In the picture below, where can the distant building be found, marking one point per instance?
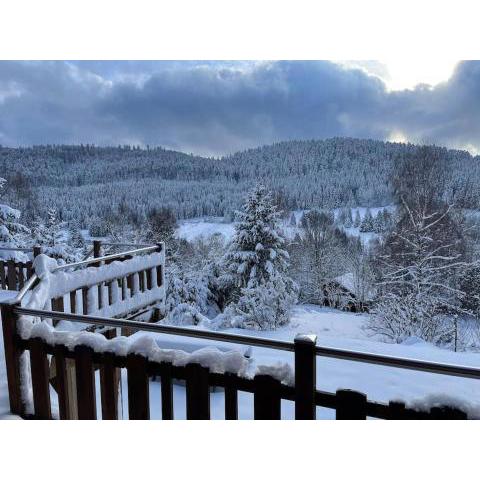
(348, 292)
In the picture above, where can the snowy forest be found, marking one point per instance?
(97, 186)
(299, 237)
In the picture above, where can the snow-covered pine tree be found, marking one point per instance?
(161, 225)
(367, 222)
(79, 246)
(358, 220)
(256, 253)
(378, 223)
(12, 232)
(256, 263)
(76, 239)
(293, 220)
(348, 223)
(50, 235)
(341, 218)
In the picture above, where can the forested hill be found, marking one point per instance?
(85, 182)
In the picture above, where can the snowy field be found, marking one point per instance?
(340, 330)
(204, 227)
(334, 329)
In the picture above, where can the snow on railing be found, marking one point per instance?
(112, 285)
(108, 289)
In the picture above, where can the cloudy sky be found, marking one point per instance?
(213, 108)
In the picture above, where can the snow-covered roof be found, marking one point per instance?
(348, 281)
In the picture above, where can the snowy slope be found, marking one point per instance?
(344, 330)
(191, 229)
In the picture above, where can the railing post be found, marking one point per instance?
(305, 377)
(12, 357)
(85, 381)
(40, 369)
(198, 393)
(97, 247)
(11, 275)
(351, 405)
(267, 399)
(138, 387)
(97, 251)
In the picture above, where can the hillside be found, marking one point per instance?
(85, 182)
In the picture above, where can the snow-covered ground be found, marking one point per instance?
(204, 227)
(334, 329)
(341, 330)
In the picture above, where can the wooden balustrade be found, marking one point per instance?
(268, 392)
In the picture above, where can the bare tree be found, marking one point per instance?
(423, 256)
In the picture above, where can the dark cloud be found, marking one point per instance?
(220, 107)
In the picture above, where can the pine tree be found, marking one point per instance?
(256, 253)
(348, 223)
(378, 223)
(50, 235)
(367, 222)
(358, 220)
(161, 225)
(293, 220)
(12, 233)
(76, 239)
(256, 264)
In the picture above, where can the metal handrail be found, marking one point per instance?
(155, 327)
(15, 249)
(106, 258)
(113, 244)
(355, 356)
(34, 277)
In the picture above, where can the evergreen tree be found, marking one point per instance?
(378, 223)
(161, 226)
(48, 232)
(256, 264)
(293, 220)
(12, 232)
(76, 239)
(50, 235)
(367, 222)
(256, 253)
(348, 223)
(358, 220)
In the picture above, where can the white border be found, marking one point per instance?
(248, 29)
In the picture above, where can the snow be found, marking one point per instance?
(346, 331)
(206, 226)
(195, 228)
(55, 284)
(347, 280)
(333, 328)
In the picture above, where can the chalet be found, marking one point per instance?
(348, 292)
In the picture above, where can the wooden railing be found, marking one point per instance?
(93, 295)
(14, 274)
(268, 392)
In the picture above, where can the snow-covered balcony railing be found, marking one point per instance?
(111, 285)
(14, 272)
(144, 359)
